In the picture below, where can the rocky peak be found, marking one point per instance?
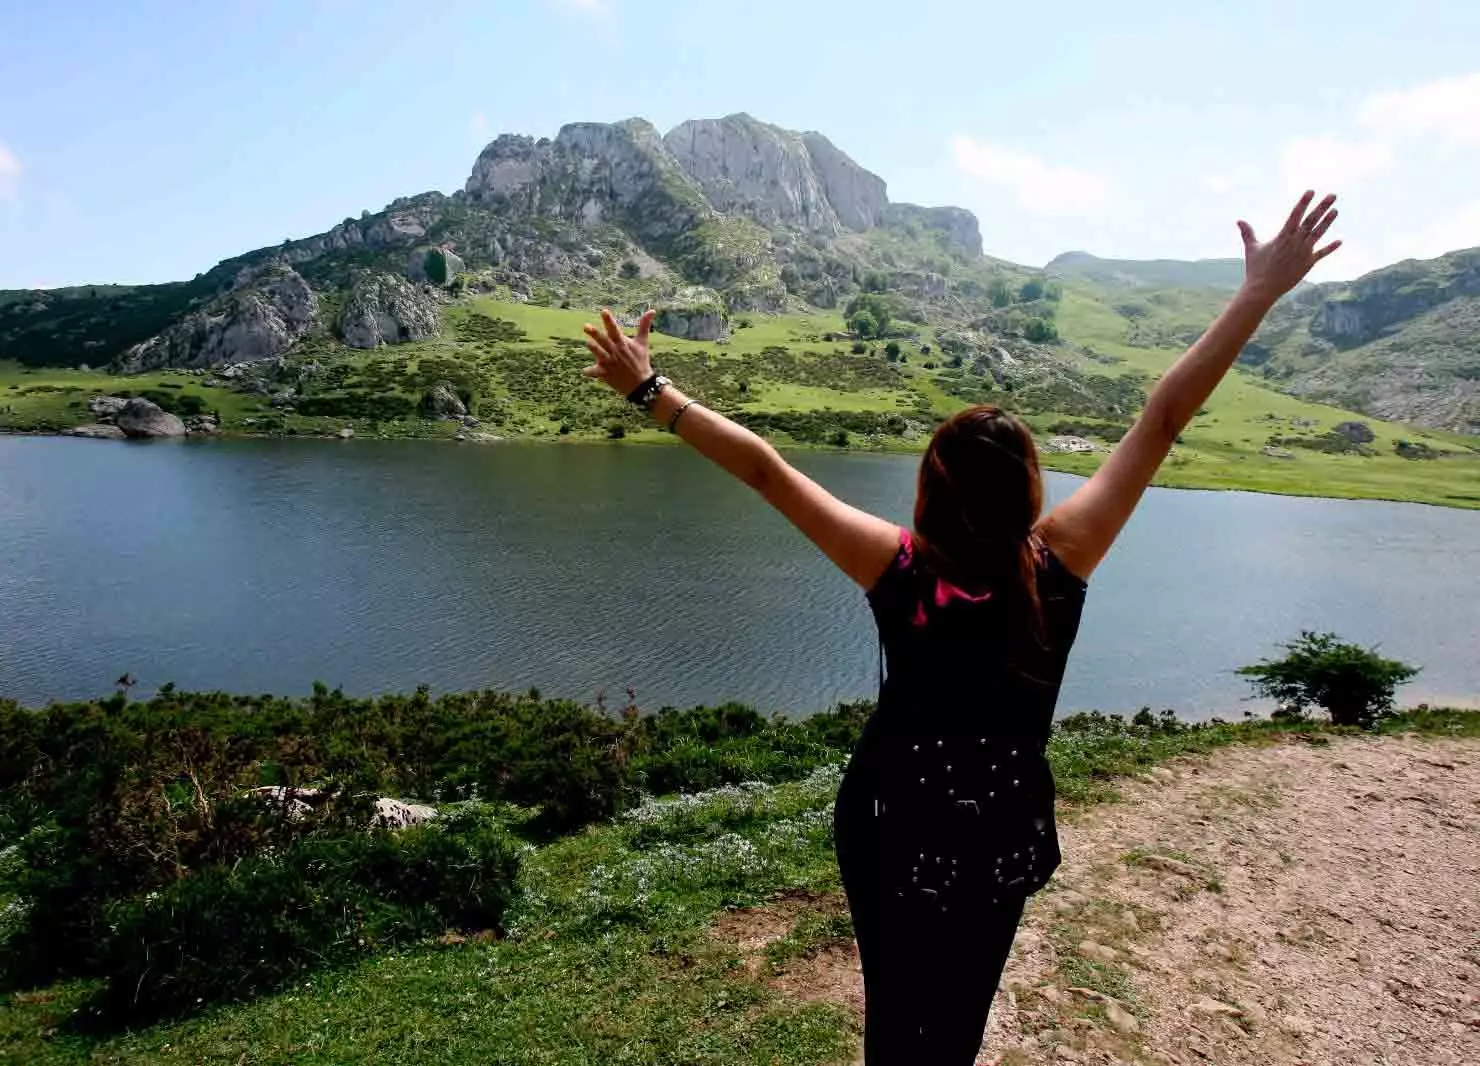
(858, 197)
(594, 172)
(752, 168)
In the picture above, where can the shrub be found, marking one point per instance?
(629, 269)
(859, 348)
(1353, 684)
(891, 350)
(229, 932)
(1041, 331)
(616, 431)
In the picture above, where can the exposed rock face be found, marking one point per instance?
(404, 221)
(139, 418)
(592, 173)
(385, 309)
(858, 197)
(442, 401)
(97, 432)
(1362, 310)
(266, 311)
(436, 265)
(962, 233)
(694, 313)
(755, 169)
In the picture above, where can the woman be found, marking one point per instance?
(944, 820)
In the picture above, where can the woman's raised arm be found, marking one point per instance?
(861, 544)
(1081, 529)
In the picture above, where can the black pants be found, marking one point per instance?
(932, 959)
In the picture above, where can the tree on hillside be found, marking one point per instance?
(877, 308)
(1032, 290)
(864, 323)
(999, 292)
(1353, 684)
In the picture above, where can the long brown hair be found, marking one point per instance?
(980, 493)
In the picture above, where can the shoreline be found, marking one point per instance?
(1168, 478)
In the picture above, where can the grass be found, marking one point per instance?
(531, 387)
(608, 957)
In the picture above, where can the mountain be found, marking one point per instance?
(794, 295)
(1401, 343)
(1224, 275)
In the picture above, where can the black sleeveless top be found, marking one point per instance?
(957, 744)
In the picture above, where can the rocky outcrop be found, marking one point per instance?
(436, 265)
(96, 432)
(385, 309)
(141, 419)
(591, 173)
(755, 169)
(858, 197)
(397, 814)
(1356, 432)
(695, 314)
(958, 227)
(1361, 311)
(106, 407)
(442, 401)
(268, 308)
(404, 221)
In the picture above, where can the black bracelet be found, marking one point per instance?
(647, 392)
(679, 414)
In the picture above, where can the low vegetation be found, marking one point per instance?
(578, 855)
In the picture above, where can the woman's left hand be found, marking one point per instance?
(622, 362)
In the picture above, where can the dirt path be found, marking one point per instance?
(1308, 903)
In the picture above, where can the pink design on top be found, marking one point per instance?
(906, 549)
(945, 592)
(919, 619)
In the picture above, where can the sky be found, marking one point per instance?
(146, 141)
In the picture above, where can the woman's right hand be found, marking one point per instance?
(1274, 267)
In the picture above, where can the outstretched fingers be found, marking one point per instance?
(1327, 250)
(613, 331)
(1298, 212)
(1320, 230)
(1246, 231)
(1316, 217)
(645, 325)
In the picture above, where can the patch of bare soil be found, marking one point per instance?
(1305, 904)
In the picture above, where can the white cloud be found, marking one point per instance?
(1241, 176)
(1041, 187)
(1325, 163)
(478, 127)
(1448, 108)
(10, 174)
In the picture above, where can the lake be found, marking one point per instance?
(262, 566)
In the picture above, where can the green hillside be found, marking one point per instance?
(793, 295)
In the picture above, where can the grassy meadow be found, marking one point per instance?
(776, 372)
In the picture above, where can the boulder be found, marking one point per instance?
(395, 814)
(694, 313)
(140, 418)
(106, 406)
(346, 433)
(202, 424)
(385, 309)
(1356, 432)
(442, 401)
(294, 804)
(95, 432)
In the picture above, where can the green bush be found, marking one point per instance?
(1353, 684)
(376, 408)
(230, 932)
(891, 350)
